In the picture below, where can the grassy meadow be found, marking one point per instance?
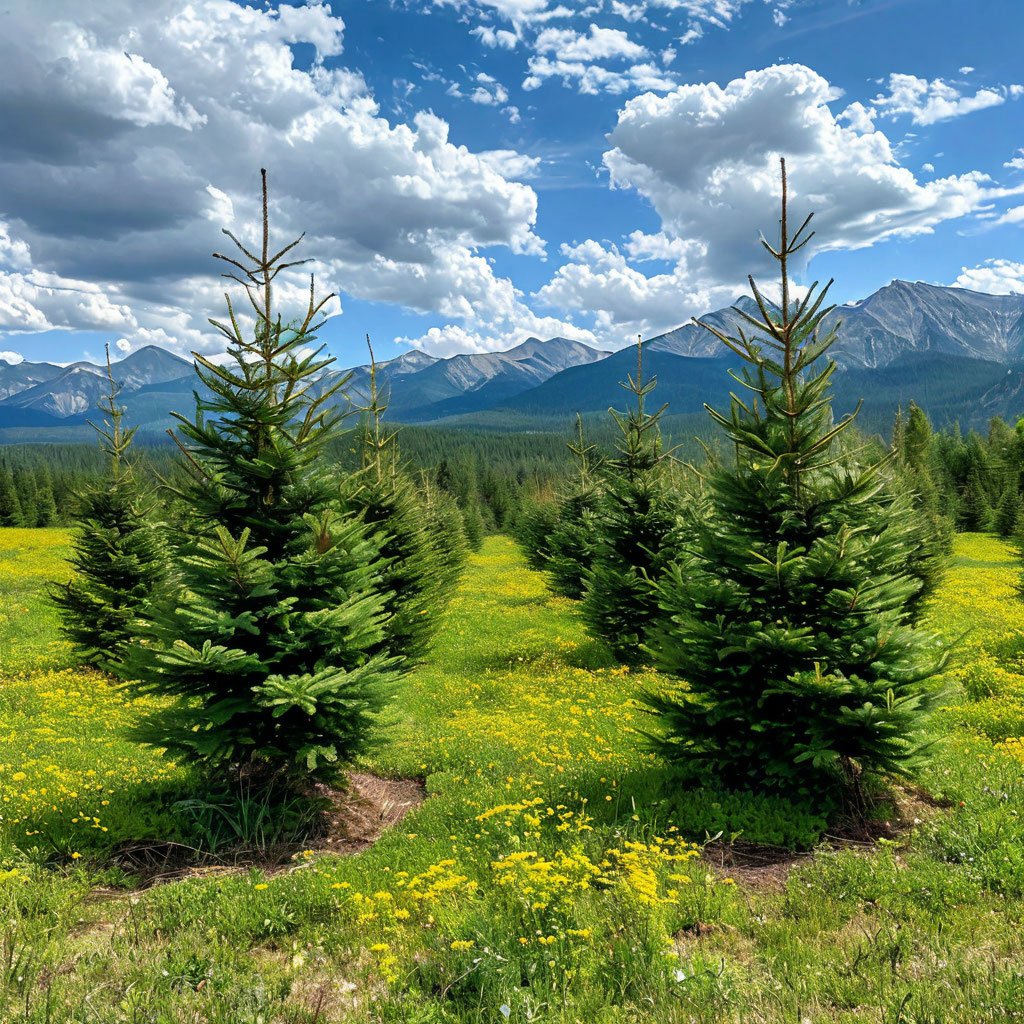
(555, 870)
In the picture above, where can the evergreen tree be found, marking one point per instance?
(459, 481)
(572, 541)
(988, 466)
(497, 493)
(637, 528)
(25, 488)
(117, 557)
(388, 503)
(269, 651)
(899, 433)
(46, 506)
(912, 445)
(1006, 514)
(10, 506)
(1002, 447)
(975, 509)
(448, 538)
(789, 617)
(913, 451)
(473, 524)
(533, 531)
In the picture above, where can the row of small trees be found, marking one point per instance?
(782, 587)
(270, 601)
(970, 482)
(27, 497)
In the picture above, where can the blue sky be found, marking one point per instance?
(473, 172)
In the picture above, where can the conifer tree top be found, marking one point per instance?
(789, 330)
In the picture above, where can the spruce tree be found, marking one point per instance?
(572, 542)
(25, 488)
(637, 528)
(1006, 514)
(473, 523)
(10, 506)
(117, 557)
(46, 506)
(445, 529)
(269, 650)
(789, 619)
(389, 504)
(912, 444)
(1002, 447)
(913, 451)
(533, 531)
(975, 508)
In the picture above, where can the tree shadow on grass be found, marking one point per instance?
(659, 799)
(167, 830)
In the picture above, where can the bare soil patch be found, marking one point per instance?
(358, 817)
(752, 865)
(353, 818)
(893, 817)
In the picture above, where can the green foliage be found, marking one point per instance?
(768, 818)
(572, 539)
(559, 536)
(888, 930)
(533, 532)
(473, 525)
(915, 463)
(46, 505)
(572, 542)
(117, 558)
(790, 618)
(416, 578)
(637, 519)
(10, 506)
(244, 816)
(410, 579)
(270, 650)
(24, 481)
(977, 479)
(1006, 517)
(447, 536)
(976, 508)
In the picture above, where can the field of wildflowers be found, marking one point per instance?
(555, 872)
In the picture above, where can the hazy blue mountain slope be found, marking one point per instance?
(958, 353)
(897, 321)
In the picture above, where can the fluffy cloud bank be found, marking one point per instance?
(32, 300)
(134, 132)
(600, 58)
(927, 102)
(997, 277)
(706, 157)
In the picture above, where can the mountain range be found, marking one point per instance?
(959, 354)
(897, 321)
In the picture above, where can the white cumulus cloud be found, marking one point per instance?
(495, 38)
(995, 276)
(133, 132)
(599, 44)
(706, 157)
(591, 79)
(625, 301)
(927, 102)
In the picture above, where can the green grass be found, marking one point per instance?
(550, 876)
(29, 635)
